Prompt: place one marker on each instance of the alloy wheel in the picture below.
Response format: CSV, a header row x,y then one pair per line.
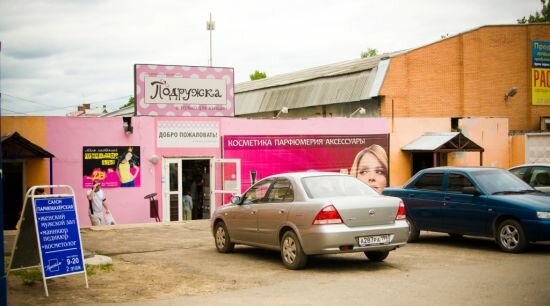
x,y
289,250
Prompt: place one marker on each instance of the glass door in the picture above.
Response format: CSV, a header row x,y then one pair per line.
x,y
172,191
225,180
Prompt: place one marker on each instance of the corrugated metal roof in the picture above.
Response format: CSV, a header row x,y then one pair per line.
x,y
442,142
349,81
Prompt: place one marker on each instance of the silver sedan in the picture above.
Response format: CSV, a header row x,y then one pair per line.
x,y
311,213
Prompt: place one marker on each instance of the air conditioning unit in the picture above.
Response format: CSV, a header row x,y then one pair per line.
x,y
545,124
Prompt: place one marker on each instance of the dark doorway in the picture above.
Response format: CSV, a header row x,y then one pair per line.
x,y
12,185
196,180
421,161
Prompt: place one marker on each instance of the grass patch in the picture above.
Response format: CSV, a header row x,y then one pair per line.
x,y
33,275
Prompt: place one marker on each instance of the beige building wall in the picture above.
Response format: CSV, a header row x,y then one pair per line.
x,y
402,132
489,133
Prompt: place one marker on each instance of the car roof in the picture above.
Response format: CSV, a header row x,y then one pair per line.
x,y
465,169
299,175
532,165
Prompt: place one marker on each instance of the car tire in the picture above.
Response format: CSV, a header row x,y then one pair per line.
x,y
222,239
414,232
377,256
292,254
510,236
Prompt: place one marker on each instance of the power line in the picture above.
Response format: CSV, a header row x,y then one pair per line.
x,y
53,108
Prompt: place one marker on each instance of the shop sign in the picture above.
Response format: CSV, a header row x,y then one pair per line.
x,y
540,73
162,90
262,156
188,134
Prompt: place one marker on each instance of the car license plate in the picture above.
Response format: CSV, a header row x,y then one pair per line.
x,y
374,240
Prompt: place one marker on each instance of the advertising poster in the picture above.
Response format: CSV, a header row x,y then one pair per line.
x,y
262,156
540,73
112,166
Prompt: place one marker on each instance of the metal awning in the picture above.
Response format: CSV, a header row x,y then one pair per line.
x,y
439,143
15,146
442,142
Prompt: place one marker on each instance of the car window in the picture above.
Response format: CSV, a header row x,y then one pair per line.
x,y
429,181
335,186
257,192
540,177
495,181
281,192
520,172
456,183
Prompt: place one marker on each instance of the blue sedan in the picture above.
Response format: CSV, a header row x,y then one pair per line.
x,y
477,201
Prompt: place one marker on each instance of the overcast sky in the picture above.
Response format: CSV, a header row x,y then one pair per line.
x,y
59,54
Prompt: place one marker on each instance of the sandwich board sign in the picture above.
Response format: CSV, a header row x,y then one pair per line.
x,y
48,236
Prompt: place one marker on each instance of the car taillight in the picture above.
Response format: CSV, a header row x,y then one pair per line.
x,y
328,215
401,212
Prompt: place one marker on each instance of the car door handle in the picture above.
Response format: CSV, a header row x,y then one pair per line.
x,y
447,198
281,211
253,212
412,195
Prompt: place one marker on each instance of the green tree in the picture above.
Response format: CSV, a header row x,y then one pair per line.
x,y
131,101
369,53
257,75
543,16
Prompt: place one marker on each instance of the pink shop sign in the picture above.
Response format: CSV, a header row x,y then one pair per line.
x,y
184,91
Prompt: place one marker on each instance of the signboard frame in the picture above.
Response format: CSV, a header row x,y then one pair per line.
x,y
65,201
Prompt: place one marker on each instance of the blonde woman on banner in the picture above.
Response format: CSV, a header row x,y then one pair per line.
x,y
371,167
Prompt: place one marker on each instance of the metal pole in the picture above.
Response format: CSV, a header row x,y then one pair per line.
x,y
210,62
3,288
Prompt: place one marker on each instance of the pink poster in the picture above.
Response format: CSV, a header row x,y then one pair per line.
x,y
262,156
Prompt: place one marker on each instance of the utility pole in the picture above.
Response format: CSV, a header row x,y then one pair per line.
x,y
210,26
3,283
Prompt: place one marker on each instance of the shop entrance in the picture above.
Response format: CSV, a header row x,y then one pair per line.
x,y
186,176
208,181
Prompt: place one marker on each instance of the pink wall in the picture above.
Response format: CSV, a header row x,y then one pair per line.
x,y
66,138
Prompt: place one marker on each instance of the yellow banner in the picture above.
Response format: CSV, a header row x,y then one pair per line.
x,y
540,85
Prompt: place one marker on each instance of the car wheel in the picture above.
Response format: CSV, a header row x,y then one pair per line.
x,y
292,254
377,256
414,232
510,236
222,238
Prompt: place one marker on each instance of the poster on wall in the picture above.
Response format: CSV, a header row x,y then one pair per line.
x,y
174,90
364,156
112,166
540,73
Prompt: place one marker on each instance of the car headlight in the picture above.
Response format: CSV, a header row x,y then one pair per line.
x,y
543,214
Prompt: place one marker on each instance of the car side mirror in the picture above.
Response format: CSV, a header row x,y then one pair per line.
x,y
236,199
471,190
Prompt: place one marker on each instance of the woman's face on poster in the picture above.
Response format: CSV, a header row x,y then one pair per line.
x,y
371,172
128,156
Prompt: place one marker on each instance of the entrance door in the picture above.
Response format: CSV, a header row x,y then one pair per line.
x,y
186,176
12,184
225,180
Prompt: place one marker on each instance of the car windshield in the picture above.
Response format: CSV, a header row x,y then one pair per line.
x,y
496,181
335,186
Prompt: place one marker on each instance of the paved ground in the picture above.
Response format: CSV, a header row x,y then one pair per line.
x,y
177,264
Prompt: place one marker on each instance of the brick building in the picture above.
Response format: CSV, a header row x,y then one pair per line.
x,y
468,75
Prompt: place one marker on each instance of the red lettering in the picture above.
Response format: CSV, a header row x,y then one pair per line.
x,y
542,80
535,77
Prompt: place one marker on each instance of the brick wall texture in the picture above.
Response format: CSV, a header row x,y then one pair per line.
x,y
467,76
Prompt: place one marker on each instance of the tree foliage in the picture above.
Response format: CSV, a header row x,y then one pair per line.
x,y
369,53
258,75
131,101
538,17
